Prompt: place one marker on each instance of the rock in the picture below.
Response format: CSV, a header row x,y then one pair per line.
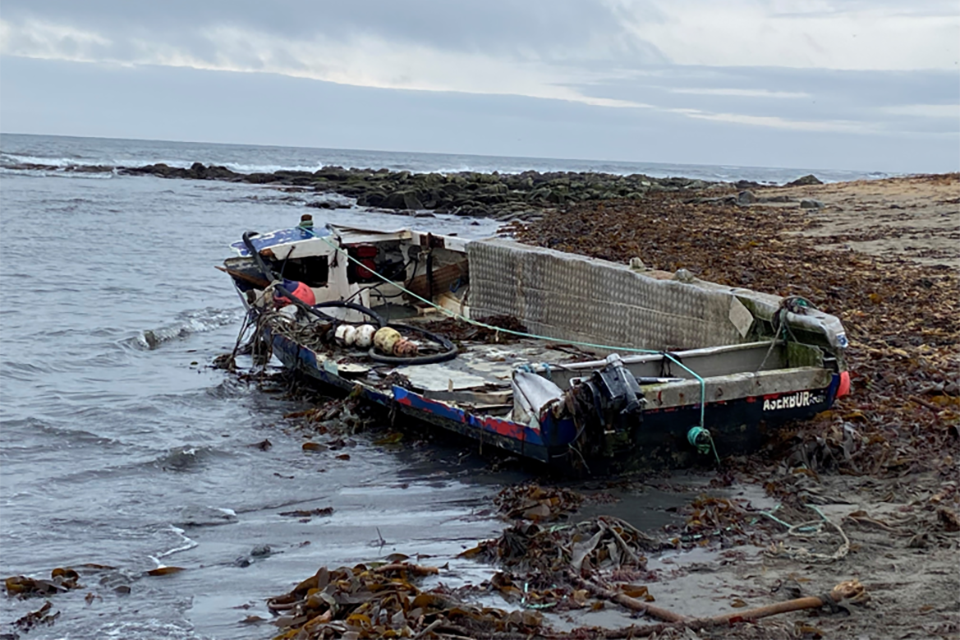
x,y
220,173
372,199
260,178
810,203
746,197
402,200
805,181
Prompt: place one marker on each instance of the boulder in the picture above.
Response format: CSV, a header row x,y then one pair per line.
x,y
373,198
810,203
805,181
403,199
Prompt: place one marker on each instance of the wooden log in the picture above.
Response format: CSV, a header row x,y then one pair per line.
x,y
630,603
850,590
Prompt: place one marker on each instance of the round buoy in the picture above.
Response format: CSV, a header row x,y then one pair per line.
x,y
300,291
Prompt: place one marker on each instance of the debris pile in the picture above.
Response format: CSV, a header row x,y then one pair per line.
x,y
336,416
536,503
726,521
458,330
383,601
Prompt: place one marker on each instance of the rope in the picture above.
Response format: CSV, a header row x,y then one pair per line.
x,y
523,334
806,530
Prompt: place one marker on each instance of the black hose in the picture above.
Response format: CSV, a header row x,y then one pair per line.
x,y
449,354
381,322
278,286
266,270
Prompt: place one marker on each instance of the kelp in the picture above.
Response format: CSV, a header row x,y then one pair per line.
x,y
33,619
383,601
599,543
536,503
61,579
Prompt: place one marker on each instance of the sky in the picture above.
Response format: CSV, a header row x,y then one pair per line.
x,y
834,84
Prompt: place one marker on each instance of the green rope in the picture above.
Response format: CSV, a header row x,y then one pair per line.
x,y
522,334
810,526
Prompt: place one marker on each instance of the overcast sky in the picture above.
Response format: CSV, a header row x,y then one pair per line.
x,y
841,84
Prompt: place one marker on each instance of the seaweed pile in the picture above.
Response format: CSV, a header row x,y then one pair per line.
x,y
536,503
900,317
61,579
540,568
458,330
380,600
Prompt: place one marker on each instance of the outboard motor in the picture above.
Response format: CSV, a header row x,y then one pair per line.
x,y
610,404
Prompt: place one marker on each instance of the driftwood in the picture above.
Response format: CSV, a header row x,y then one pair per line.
x,y
630,603
849,590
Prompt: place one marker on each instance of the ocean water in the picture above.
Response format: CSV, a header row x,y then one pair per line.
x,y
66,152
124,452
118,454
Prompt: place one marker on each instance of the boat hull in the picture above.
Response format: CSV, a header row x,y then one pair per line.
x,y
659,439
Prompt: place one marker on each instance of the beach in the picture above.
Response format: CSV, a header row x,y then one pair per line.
x,y
882,465
125,451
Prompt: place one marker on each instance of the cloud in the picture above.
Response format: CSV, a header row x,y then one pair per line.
x,y
348,49
165,103
535,29
804,65
745,93
776,122
951,111
804,34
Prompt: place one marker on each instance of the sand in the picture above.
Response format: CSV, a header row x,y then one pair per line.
x,y
917,218
889,518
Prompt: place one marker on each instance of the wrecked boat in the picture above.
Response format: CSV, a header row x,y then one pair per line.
x,y
555,357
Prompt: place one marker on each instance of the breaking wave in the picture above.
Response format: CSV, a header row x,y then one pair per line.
x,y
187,324
187,458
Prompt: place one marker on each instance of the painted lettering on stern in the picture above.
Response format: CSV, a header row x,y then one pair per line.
x,y
796,400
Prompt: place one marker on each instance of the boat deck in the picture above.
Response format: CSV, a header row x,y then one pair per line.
x,y
478,379
480,375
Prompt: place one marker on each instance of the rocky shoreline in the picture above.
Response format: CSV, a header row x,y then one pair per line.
x,y
489,195
463,193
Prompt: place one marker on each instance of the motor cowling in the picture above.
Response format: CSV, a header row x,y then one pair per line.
x,y
610,405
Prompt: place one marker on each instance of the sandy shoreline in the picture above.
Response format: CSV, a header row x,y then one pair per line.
x,y
917,218
875,479
883,256
880,470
